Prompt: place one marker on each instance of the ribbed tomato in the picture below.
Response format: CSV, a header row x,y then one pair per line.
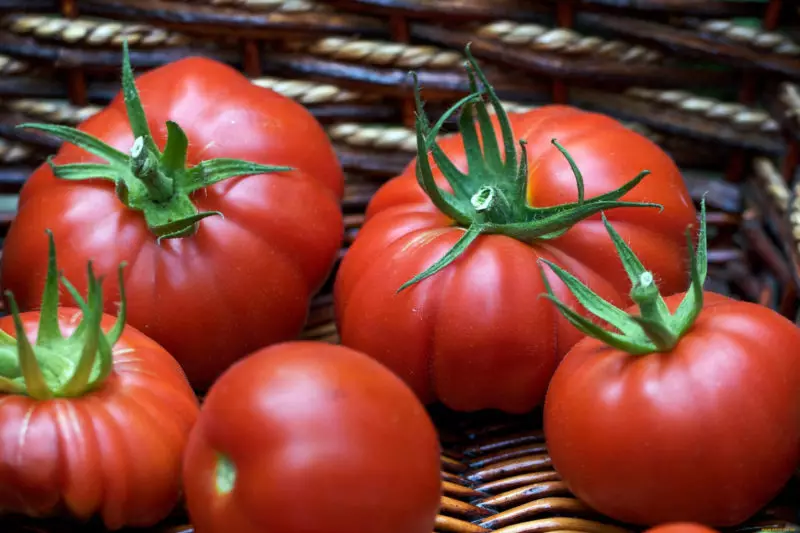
x,y
94,416
687,411
308,437
210,289
473,333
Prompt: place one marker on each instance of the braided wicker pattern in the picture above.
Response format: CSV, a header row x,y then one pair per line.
x,y
10,66
13,152
567,41
740,115
382,53
60,112
308,92
774,42
269,6
92,32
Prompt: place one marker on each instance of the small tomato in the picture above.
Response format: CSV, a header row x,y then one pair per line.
x,y
308,437
94,416
686,411
681,527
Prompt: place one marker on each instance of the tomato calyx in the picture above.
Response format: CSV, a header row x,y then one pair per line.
x,y
59,367
655,329
156,183
492,196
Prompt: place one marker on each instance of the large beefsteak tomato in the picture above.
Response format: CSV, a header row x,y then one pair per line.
x,y
307,437
210,289
473,333
94,415
688,411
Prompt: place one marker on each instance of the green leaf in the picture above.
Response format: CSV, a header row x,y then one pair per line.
x,y
133,103
35,384
591,329
49,330
119,326
692,303
594,303
174,157
490,147
79,381
207,173
91,144
460,247
10,386
444,201
575,170
84,171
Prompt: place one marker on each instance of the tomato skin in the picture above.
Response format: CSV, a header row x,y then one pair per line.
x,y
681,527
115,452
707,433
239,283
476,335
324,440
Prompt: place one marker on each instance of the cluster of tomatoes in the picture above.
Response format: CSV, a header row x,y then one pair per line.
x,y
493,273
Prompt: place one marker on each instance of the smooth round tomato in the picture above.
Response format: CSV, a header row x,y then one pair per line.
x,y
476,335
115,451
708,432
306,437
681,527
238,281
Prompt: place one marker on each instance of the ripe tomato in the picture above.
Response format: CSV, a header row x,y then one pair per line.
x,y
209,291
308,437
690,414
681,527
474,335
94,418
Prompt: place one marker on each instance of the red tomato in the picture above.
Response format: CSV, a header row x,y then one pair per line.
x,y
312,438
233,283
695,417
681,527
110,446
475,335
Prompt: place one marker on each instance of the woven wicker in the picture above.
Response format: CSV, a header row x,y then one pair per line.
x,y
715,83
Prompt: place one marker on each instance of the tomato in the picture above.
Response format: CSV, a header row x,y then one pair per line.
x,y
307,437
681,527
94,416
690,412
210,289
474,334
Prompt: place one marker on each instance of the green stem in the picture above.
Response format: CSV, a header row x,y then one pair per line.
x,y
155,183
145,167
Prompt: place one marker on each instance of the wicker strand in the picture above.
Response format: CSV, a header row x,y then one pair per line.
x,y
567,41
737,114
766,40
382,53
397,138
270,6
774,185
13,152
10,66
56,111
91,32
309,92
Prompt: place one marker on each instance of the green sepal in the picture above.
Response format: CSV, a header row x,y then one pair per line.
x,y
491,197
472,233
158,184
654,329
57,367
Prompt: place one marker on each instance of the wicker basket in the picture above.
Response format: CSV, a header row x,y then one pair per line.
x,y
712,81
